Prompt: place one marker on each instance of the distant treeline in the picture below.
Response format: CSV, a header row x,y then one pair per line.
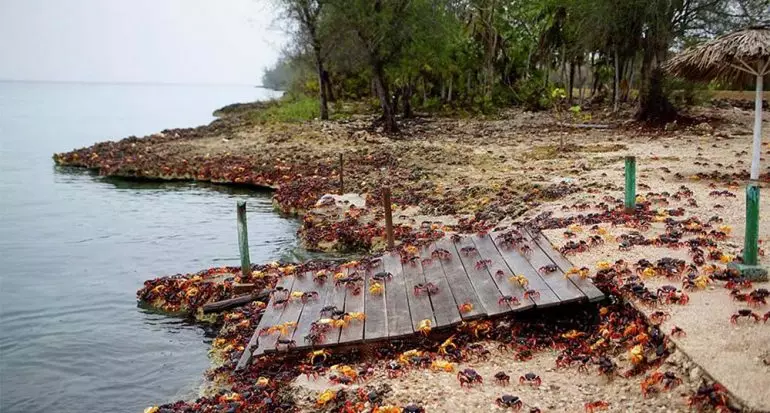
x,y
488,53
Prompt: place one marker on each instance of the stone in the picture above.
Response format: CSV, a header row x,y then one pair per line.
x,y
752,272
695,374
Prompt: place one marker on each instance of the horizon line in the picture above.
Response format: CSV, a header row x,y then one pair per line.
x,y
118,82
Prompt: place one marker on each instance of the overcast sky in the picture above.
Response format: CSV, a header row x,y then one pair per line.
x,y
170,41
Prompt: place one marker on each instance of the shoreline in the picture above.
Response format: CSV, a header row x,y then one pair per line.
x,y
455,175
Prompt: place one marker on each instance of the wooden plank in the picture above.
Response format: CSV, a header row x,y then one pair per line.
x,y
354,332
444,305
269,318
420,307
564,288
334,297
399,319
310,313
485,286
487,250
376,325
585,285
461,286
520,266
302,283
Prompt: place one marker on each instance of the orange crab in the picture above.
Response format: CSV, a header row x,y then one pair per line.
x,y
447,344
375,288
465,307
519,279
326,397
313,355
358,316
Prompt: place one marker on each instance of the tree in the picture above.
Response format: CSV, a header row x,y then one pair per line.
x,y
307,13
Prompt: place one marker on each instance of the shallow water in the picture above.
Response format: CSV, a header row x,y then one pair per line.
x,y
75,247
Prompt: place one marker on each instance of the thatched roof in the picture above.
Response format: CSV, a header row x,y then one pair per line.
x,y
720,58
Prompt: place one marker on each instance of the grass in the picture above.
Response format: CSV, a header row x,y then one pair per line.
x,y
288,110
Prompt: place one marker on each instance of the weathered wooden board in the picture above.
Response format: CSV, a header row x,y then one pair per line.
x,y
376,325
444,303
520,266
461,286
310,312
485,286
487,250
399,319
354,303
420,307
562,286
586,286
291,313
334,297
269,318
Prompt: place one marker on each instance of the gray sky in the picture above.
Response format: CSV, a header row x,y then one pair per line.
x,y
176,41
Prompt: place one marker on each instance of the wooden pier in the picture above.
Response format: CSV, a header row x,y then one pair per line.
x,y
398,312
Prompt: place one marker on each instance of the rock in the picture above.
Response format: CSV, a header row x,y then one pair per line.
x,y
695,374
703,127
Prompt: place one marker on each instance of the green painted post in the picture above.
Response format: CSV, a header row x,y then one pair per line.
x,y
243,240
630,184
751,241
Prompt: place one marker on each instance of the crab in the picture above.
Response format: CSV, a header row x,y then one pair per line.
x,y
323,354
424,327
502,379
429,288
375,288
744,313
499,273
483,264
382,276
519,279
508,300
411,408
306,296
465,307
329,310
320,277
447,366
325,397
469,377
547,269
280,303
677,331
596,405
441,254
285,342
447,346
358,316
525,250
530,378
532,294
315,337
394,369
509,401
469,251
738,283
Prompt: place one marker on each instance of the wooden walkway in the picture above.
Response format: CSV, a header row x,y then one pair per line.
x,y
398,312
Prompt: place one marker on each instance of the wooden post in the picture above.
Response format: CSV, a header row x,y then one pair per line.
x,y
388,216
630,184
342,181
751,240
243,240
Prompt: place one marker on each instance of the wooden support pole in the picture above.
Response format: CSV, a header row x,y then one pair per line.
x,y
342,180
751,240
630,184
243,240
388,216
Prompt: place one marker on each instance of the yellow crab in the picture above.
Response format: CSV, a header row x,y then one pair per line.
x,y
726,229
318,353
519,279
191,292
603,265
465,307
289,269
405,356
636,355
344,370
355,316
263,381
572,271
350,264
297,294
387,409
442,365
726,258
326,397
375,288
152,409
575,228
702,281
649,272
424,326
411,249
257,274
640,199
339,275
448,343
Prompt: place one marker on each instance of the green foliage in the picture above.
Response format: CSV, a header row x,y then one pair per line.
x,y
288,109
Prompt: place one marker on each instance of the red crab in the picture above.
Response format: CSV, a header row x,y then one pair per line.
x,y
530,378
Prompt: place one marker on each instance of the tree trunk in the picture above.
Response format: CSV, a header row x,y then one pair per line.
x,y
322,88
329,92
653,104
381,87
406,100
449,94
571,82
616,84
